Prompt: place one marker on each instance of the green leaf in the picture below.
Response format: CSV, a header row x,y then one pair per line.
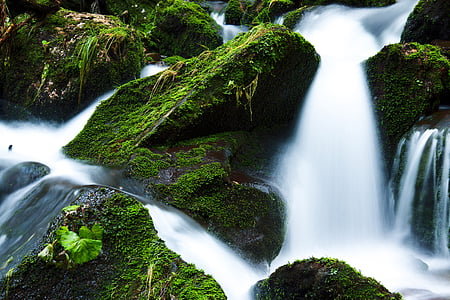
x,y
68,240
85,250
85,233
70,208
97,231
61,230
47,253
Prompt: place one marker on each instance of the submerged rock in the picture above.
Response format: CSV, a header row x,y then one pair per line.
x,y
320,278
407,82
21,175
69,59
134,262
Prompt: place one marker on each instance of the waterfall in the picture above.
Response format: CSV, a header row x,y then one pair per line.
x,y
421,189
228,31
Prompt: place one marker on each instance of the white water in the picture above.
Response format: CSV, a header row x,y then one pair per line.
x,y
319,165
330,175
228,31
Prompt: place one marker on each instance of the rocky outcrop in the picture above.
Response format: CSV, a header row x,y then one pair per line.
x,y
320,278
429,21
147,125
48,68
407,82
133,262
184,28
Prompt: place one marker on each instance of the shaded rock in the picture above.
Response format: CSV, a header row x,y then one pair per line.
x,y
320,278
407,82
429,21
21,175
40,7
133,263
184,28
55,68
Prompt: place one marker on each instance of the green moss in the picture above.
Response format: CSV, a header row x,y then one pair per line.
x,y
321,278
234,12
293,17
134,264
407,82
184,28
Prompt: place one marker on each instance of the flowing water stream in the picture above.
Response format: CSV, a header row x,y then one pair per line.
x,y
330,175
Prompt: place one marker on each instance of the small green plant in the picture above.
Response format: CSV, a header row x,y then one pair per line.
x,y
69,248
85,56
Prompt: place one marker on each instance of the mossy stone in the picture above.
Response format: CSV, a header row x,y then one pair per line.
x,y
134,263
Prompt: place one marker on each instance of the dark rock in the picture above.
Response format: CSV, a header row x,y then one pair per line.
x,y
320,278
21,175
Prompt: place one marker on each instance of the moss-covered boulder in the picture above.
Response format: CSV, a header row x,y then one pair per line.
x,y
429,21
320,278
133,263
39,7
234,12
184,28
407,81
292,18
256,79
146,126
56,66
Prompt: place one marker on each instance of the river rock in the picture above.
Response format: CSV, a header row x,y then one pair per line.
x,y
133,263
429,21
21,175
243,84
320,278
69,59
184,28
407,82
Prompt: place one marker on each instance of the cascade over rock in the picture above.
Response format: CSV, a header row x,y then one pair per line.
x,y
133,262
407,82
61,55
231,88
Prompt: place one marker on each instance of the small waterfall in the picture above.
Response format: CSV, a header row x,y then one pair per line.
x,y
218,14
421,189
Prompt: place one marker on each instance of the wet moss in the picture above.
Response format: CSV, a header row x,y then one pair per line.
x,y
55,78
321,278
134,263
184,28
407,82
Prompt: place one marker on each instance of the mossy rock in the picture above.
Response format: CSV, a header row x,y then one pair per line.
x,y
429,21
55,67
134,262
39,7
292,18
321,278
234,12
196,177
257,79
407,82
184,28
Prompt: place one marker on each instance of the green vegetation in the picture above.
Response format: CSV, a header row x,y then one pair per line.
x,y
407,82
321,278
184,28
134,262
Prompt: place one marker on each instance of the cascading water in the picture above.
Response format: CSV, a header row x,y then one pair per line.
x,y
228,31
330,174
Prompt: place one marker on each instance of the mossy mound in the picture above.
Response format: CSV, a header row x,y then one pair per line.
x,y
134,262
407,82
234,12
292,18
184,28
39,7
321,278
196,177
256,79
429,21
56,66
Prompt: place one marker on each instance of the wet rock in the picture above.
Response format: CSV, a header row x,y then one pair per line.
x,y
21,175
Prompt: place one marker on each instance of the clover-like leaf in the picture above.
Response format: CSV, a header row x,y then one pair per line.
x,y
85,250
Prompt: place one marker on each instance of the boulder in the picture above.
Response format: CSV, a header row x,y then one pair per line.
x,y
407,82
147,126
429,21
184,28
133,262
320,278
56,67
39,7
21,175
